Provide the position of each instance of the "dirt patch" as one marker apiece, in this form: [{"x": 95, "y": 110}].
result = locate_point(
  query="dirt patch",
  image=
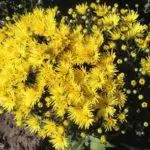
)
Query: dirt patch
[{"x": 14, "y": 138}]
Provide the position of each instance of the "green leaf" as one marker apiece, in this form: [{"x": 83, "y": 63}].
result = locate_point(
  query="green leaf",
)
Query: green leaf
[
  {"x": 109, "y": 145},
  {"x": 77, "y": 145},
  {"x": 96, "y": 145}
]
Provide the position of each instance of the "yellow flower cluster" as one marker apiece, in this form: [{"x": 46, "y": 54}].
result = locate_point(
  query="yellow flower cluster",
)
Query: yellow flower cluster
[
  {"x": 54, "y": 75},
  {"x": 115, "y": 23},
  {"x": 145, "y": 63}
]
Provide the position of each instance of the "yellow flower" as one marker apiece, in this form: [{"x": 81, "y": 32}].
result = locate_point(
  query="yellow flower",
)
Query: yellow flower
[
  {"x": 59, "y": 95},
  {"x": 33, "y": 123},
  {"x": 106, "y": 47},
  {"x": 66, "y": 123},
  {"x": 30, "y": 97},
  {"x": 123, "y": 132},
  {"x": 60, "y": 130},
  {"x": 49, "y": 128},
  {"x": 18, "y": 117},
  {"x": 82, "y": 8},
  {"x": 119, "y": 61},
  {"x": 115, "y": 35},
  {"x": 122, "y": 117},
  {"x": 134, "y": 91},
  {"x": 7, "y": 103},
  {"x": 59, "y": 142},
  {"x": 96, "y": 79},
  {"x": 116, "y": 128},
  {"x": 142, "y": 81},
  {"x": 145, "y": 65},
  {"x": 70, "y": 11},
  {"x": 133, "y": 83},
  {"x": 99, "y": 130},
  {"x": 105, "y": 111},
  {"x": 82, "y": 116},
  {"x": 121, "y": 99},
  {"x": 7, "y": 18},
  {"x": 111, "y": 20},
  {"x": 93, "y": 5},
  {"x": 130, "y": 17},
  {"x": 135, "y": 30},
  {"x": 101, "y": 10},
  {"x": 140, "y": 97},
  {"x": 40, "y": 105},
  {"x": 145, "y": 124},
  {"x": 1, "y": 111},
  {"x": 144, "y": 105},
  {"x": 133, "y": 54},
  {"x": 124, "y": 47},
  {"x": 79, "y": 75},
  {"x": 123, "y": 11},
  {"x": 109, "y": 124},
  {"x": 128, "y": 91},
  {"x": 112, "y": 45},
  {"x": 74, "y": 15},
  {"x": 48, "y": 114}
]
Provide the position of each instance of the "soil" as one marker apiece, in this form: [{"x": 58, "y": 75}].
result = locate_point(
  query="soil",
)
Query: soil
[{"x": 14, "y": 138}]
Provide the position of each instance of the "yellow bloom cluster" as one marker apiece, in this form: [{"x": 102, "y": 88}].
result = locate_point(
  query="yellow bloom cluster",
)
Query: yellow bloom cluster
[
  {"x": 117, "y": 24},
  {"x": 54, "y": 75},
  {"x": 145, "y": 63}
]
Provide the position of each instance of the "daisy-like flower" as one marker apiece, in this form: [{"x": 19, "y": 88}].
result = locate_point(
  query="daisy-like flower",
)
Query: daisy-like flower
[
  {"x": 82, "y": 116},
  {"x": 7, "y": 103},
  {"x": 30, "y": 97},
  {"x": 82, "y": 8},
  {"x": 135, "y": 30},
  {"x": 101, "y": 10},
  {"x": 122, "y": 117},
  {"x": 110, "y": 124},
  {"x": 115, "y": 34},
  {"x": 130, "y": 17},
  {"x": 33, "y": 123},
  {"x": 59, "y": 142},
  {"x": 111, "y": 20}
]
